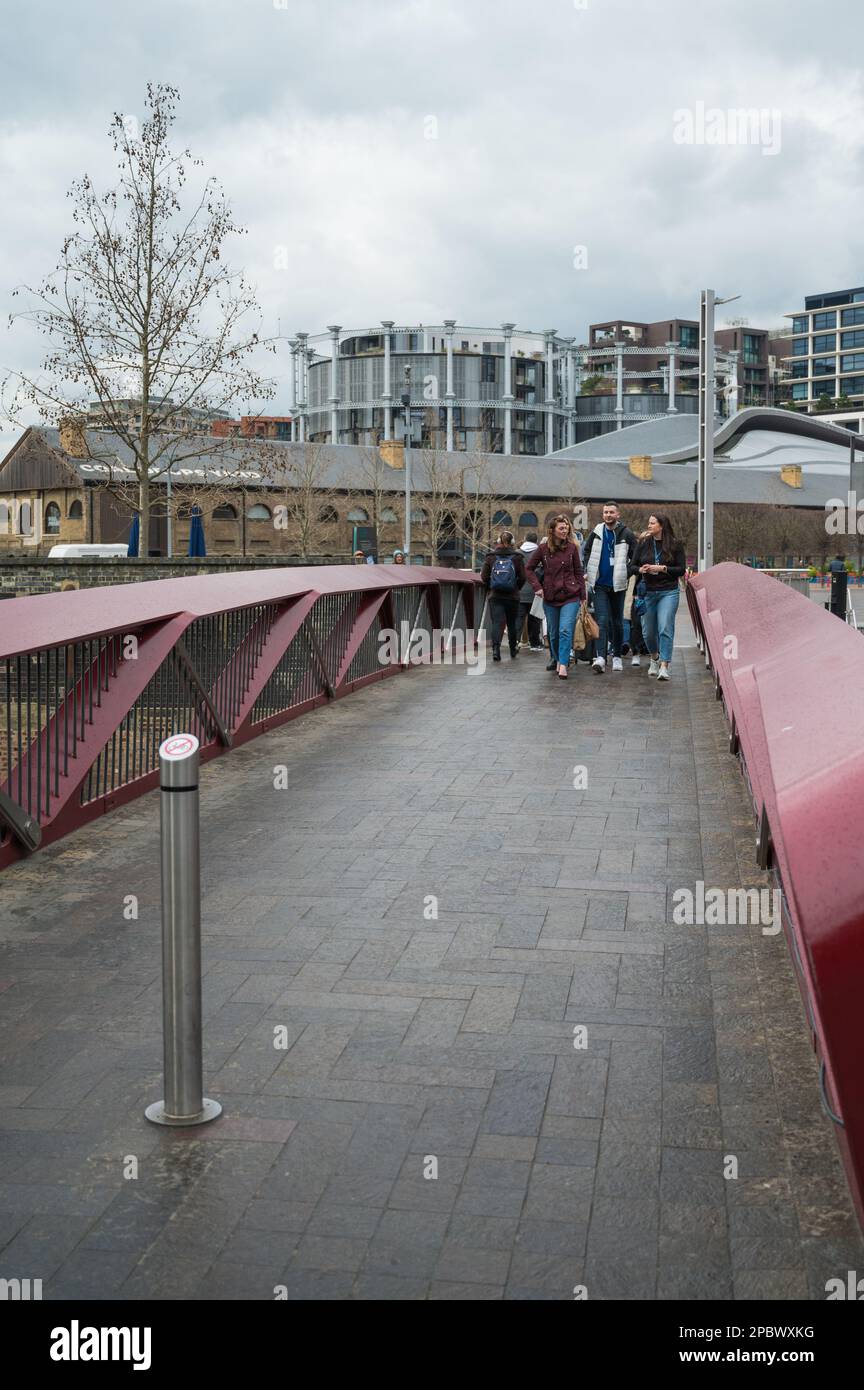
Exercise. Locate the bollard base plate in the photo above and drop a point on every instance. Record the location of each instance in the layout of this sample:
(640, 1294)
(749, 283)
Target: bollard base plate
(157, 1114)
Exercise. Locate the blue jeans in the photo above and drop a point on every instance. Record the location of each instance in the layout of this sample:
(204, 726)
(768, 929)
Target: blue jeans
(609, 615)
(560, 623)
(658, 622)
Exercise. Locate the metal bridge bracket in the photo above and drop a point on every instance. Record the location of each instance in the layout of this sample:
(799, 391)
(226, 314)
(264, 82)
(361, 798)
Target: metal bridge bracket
(23, 827)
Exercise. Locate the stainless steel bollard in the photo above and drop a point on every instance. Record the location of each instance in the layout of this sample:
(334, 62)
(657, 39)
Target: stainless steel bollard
(185, 1102)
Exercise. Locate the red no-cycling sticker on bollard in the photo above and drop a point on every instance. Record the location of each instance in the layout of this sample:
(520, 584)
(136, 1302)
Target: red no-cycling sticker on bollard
(179, 746)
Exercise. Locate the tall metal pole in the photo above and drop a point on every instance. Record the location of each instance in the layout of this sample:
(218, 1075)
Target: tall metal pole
(406, 401)
(169, 539)
(705, 544)
(185, 1102)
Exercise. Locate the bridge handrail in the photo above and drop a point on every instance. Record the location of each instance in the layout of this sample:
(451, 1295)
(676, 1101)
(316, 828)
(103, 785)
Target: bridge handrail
(92, 680)
(790, 676)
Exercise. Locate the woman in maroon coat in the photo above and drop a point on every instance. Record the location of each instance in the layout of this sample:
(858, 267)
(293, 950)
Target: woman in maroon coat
(563, 589)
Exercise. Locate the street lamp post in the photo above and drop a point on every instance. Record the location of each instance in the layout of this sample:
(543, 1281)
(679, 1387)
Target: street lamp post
(707, 392)
(406, 401)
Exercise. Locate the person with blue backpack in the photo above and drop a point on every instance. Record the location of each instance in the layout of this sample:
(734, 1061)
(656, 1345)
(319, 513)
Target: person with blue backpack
(502, 576)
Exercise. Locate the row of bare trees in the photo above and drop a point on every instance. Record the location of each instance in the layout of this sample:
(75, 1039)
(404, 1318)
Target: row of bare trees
(459, 504)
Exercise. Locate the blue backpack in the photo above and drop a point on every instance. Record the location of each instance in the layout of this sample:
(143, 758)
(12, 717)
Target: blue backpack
(503, 576)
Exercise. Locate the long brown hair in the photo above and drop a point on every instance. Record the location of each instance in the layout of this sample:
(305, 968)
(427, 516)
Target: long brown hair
(667, 536)
(551, 538)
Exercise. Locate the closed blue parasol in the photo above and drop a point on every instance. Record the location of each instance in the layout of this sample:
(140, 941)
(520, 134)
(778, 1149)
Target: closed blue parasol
(196, 534)
(134, 534)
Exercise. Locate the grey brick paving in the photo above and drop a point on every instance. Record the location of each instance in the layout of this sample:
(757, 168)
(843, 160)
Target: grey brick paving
(427, 914)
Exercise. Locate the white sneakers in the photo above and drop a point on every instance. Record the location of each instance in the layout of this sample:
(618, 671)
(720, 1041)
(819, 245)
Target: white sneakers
(654, 668)
(636, 661)
(599, 665)
(663, 673)
(617, 664)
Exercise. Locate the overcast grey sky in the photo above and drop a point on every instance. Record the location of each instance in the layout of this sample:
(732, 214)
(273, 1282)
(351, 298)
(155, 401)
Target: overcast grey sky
(422, 159)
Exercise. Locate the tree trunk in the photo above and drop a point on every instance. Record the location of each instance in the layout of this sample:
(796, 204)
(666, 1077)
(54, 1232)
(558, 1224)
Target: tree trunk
(144, 517)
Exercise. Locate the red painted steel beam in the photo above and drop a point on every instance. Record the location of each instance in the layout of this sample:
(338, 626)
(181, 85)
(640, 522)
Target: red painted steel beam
(159, 612)
(370, 606)
(47, 620)
(123, 690)
(279, 639)
(794, 686)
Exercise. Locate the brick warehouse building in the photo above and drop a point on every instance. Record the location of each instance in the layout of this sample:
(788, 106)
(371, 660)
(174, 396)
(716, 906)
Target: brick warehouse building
(59, 478)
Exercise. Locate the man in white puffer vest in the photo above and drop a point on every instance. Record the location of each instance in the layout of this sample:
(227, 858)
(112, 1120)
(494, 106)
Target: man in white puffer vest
(608, 552)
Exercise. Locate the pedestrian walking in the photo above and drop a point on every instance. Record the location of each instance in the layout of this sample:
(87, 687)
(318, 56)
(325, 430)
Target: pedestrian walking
(562, 587)
(526, 600)
(659, 562)
(634, 642)
(608, 552)
(502, 576)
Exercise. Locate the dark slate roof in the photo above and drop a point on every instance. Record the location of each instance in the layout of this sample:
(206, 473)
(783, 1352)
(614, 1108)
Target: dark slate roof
(556, 478)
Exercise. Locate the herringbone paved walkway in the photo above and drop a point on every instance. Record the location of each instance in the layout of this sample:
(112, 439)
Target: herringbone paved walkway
(410, 1036)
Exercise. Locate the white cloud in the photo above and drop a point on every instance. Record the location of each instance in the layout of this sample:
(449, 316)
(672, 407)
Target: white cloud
(554, 128)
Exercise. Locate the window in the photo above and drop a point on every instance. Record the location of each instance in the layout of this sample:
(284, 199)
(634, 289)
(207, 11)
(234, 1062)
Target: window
(527, 519)
(752, 348)
(487, 372)
(52, 519)
(388, 514)
(850, 316)
(328, 515)
(259, 512)
(76, 511)
(853, 363)
(852, 385)
(225, 513)
(823, 388)
(502, 519)
(824, 321)
(800, 323)
(800, 348)
(689, 337)
(824, 366)
(799, 393)
(25, 519)
(799, 369)
(825, 342)
(358, 514)
(856, 339)
(419, 517)
(4, 518)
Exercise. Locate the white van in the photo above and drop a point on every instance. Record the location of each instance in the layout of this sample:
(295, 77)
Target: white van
(87, 552)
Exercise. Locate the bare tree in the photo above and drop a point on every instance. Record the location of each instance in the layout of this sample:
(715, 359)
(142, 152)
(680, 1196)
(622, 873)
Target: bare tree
(439, 497)
(143, 307)
(375, 479)
(486, 488)
(307, 502)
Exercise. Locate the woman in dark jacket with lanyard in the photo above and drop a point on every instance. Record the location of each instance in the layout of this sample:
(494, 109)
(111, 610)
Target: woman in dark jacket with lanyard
(563, 589)
(658, 562)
